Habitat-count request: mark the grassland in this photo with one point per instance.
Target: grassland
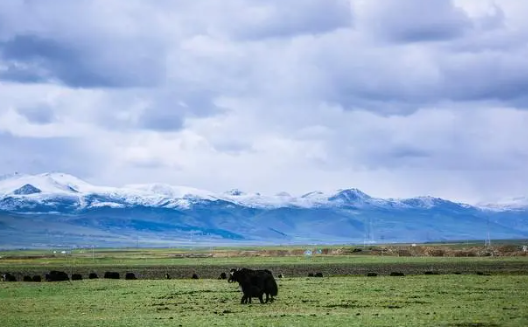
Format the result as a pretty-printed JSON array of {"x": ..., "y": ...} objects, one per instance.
[
  {"x": 432, "y": 300},
  {"x": 209, "y": 263},
  {"x": 345, "y": 298},
  {"x": 142, "y": 260}
]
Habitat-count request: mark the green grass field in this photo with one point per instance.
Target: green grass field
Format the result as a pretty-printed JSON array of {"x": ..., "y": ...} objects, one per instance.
[
  {"x": 217, "y": 256},
  {"x": 462, "y": 300},
  {"x": 182, "y": 263},
  {"x": 432, "y": 300}
]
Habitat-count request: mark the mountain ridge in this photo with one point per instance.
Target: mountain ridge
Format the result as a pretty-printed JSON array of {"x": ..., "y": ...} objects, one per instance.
[
  {"x": 56, "y": 208},
  {"x": 49, "y": 184}
]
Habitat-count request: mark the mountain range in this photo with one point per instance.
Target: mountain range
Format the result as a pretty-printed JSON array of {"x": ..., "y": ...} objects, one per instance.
[{"x": 61, "y": 210}]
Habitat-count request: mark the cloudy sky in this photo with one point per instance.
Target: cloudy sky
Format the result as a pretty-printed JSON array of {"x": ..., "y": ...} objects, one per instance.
[{"x": 396, "y": 98}]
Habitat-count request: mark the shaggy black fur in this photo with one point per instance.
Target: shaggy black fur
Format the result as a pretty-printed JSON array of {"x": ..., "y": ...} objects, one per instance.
[{"x": 255, "y": 283}]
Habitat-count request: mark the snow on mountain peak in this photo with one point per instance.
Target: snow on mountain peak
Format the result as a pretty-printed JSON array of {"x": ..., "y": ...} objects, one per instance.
[
  {"x": 45, "y": 183},
  {"x": 10, "y": 175},
  {"x": 344, "y": 196},
  {"x": 47, "y": 186},
  {"x": 507, "y": 203},
  {"x": 349, "y": 195},
  {"x": 171, "y": 191},
  {"x": 427, "y": 202}
]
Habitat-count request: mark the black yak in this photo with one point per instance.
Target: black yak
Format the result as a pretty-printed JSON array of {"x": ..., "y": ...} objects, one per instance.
[
  {"x": 7, "y": 277},
  {"x": 319, "y": 274},
  {"x": 130, "y": 276},
  {"x": 397, "y": 273},
  {"x": 111, "y": 275},
  {"x": 231, "y": 279},
  {"x": 250, "y": 284},
  {"x": 37, "y": 278},
  {"x": 249, "y": 291},
  {"x": 76, "y": 277},
  {"x": 27, "y": 279},
  {"x": 93, "y": 276},
  {"x": 255, "y": 283},
  {"x": 167, "y": 276},
  {"x": 223, "y": 276},
  {"x": 194, "y": 276},
  {"x": 57, "y": 276}
]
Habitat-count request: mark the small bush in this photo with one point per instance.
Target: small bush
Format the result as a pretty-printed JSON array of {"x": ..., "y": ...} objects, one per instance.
[{"x": 508, "y": 248}]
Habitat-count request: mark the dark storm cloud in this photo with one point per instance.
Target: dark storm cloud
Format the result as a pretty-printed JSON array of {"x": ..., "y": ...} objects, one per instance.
[
  {"x": 31, "y": 58},
  {"x": 406, "y": 78},
  {"x": 497, "y": 75},
  {"x": 414, "y": 20}
]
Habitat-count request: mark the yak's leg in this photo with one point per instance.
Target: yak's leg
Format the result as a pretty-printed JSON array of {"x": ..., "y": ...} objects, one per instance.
[
  {"x": 243, "y": 300},
  {"x": 261, "y": 299}
]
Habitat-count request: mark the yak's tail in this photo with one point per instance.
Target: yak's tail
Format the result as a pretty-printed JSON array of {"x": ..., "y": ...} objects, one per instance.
[{"x": 273, "y": 289}]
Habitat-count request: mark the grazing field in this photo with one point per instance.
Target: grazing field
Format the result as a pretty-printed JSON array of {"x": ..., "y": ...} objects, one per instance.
[
  {"x": 422, "y": 300},
  {"x": 490, "y": 266},
  {"x": 291, "y": 261},
  {"x": 484, "y": 287}
]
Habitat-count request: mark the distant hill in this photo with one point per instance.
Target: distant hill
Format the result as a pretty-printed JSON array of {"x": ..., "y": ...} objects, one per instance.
[{"x": 56, "y": 209}]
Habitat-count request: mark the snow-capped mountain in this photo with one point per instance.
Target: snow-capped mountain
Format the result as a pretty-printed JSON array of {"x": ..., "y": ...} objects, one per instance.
[
  {"x": 20, "y": 191},
  {"x": 55, "y": 183},
  {"x": 58, "y": 208},
  {"x": 515, "y": 203},
  {"x": 37, "y": 190}
]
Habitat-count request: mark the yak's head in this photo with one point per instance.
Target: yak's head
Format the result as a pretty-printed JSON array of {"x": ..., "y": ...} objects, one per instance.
[{"x": 233, "y": 275}]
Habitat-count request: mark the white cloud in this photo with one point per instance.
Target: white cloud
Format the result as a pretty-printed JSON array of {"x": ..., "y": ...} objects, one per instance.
[{"x": 395, "y": 98}]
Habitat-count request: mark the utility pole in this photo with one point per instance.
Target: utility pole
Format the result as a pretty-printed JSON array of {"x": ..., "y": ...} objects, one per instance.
[
  {"x": 365, "y": 233},
  {"x": 371, "y": 237},
  {"x": 488, "y": 239}
]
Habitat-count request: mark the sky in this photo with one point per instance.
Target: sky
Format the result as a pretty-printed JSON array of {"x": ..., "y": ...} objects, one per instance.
[{"x": 396, "y": 98}]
